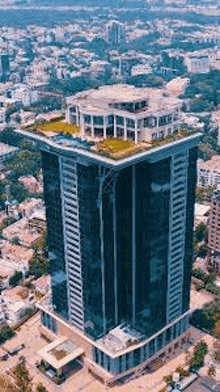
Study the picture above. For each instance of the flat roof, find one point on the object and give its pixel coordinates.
(6, 149)
(98, 100)
(60, 352)
(81, 153)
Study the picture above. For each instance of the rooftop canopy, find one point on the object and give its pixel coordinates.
(60, 352)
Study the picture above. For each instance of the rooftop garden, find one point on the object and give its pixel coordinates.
(56, 126)
(119, 148)
(116, 147)
(59, 126)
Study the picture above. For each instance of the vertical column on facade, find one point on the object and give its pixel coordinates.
(114, 365)
(125, 129)
(115, 252)
(70, 208)
(172, 333)
(99, 357)
(177, 218)
(131, 359)
(115, 127)
(147, 351)
(136, 131)
(133, 244)
(92, 126)
(123, 363)
(164, 338)
(82, 125)
(77, 117)
(142, 354)
(68, 117)
(155, 344)
(100, 203)
(104, 127)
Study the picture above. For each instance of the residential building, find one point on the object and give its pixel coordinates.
(42, 284)
(4, 66)
(201, 214)
(6, 152)
(138, 114)
(214, 234)
(119, 290)
(197, 64)
(15, 302)
(115, 32)
(15, 257)
(26, 234)
(209, 172)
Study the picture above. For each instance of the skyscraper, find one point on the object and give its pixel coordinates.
(120, 232)
(4, 66)
(213, 234)
(115, 32)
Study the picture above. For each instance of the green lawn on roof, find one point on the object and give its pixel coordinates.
(115, 145)
(59, 126)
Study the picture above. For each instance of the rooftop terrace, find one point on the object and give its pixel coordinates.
(68, 136)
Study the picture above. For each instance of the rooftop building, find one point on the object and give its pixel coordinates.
(137, 114)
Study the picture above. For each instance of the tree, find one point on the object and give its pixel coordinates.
(169, 380)
(39, 265)
(15, 241)
(200, 232)
(182, 372)
(15, 279)
(211, 371)
(197, 361)
(203, 250)
(41, 388)
(22, 377)
(6, 333)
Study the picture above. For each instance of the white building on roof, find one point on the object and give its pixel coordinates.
(138, 114)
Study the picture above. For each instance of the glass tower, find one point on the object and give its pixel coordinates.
(120, 236)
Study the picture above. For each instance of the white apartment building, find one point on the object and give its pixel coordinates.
(209, 172)
(198, 64)
(6, 152)
(138, 114)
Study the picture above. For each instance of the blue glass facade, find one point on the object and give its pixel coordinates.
(120, 242)
(52, 197)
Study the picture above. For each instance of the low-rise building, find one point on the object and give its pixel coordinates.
(15, 257)
(31, 184)
(201, 214)
(15, 302)
(29, 206)
(197, 64)
(20, 230)
(42, 284)
(6, 152)
(209, 172)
